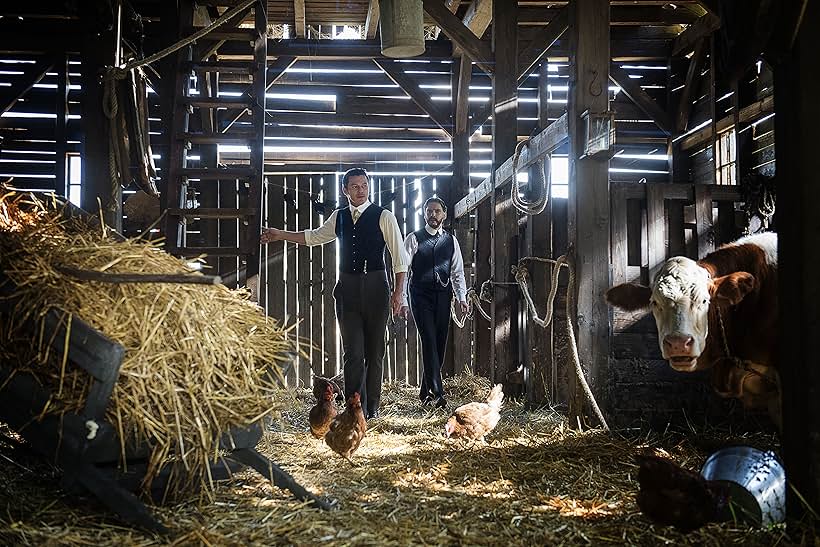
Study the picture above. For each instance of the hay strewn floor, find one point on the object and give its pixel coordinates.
(535, 483)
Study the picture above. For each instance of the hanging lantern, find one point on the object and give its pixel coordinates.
(599, 134)
(401, 25)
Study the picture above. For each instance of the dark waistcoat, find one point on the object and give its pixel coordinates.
(430, 269)
(361, 245)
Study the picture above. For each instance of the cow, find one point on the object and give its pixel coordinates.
(719, 314)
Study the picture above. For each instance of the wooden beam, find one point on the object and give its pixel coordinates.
(478, 16)
(700, 29)
(747, 114)
(685, 105)
(26, 81)
(533, 52)
(371, 24)
(798, 226)
(421, 98)
(544, 143)
(299, 18)
(588, 213)
(338, 49)
(462, 95)
(460, 35)
(641, 98)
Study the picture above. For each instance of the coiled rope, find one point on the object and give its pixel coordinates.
(537, 206)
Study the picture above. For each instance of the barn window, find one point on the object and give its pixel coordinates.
(73, 175)
(726, 158)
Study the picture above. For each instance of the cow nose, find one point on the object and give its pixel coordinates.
(678, 343)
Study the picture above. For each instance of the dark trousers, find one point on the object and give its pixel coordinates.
(362, 309)
(431, 311)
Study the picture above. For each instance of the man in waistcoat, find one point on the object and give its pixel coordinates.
(436, 274)
(362, 294)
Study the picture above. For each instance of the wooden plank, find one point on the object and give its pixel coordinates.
(685, 104)
(317, 315)
(275, 271)
(299, 18)
(414, 361)
(304, 278)
(460, 35)
(700, 29)
(655, 228)
(32, 74)
(641, 98)
(345, 49)
(273, 73)
(291, 273)
(534, 51)
(544, 143)
(401, 353)
(461, 95)
(747, 114)
(331, 366)
(371, 24)
(620, 233)
(703, 220)
(675, 228)
(420, 97)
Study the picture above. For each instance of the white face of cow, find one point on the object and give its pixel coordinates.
(680, 303)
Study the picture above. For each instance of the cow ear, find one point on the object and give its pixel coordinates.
(629, 296)
(733, 288)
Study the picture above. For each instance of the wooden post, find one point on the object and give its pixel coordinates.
(97, 53)
(798, 223)
(60, 132)
(589, 209)
(504, 310)
(539, 351)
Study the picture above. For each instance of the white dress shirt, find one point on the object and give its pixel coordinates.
(389, 227)
(459, 284)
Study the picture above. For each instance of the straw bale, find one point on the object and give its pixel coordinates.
(535, 482)
(199, 358)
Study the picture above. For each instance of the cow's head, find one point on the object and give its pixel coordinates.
(679, 299)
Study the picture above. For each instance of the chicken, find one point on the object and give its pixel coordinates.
(474, 420)
(670, 494)
(322, 414)
(337, 383)
(348, 429)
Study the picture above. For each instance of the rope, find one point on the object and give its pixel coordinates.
(537, 206)
(521, 276)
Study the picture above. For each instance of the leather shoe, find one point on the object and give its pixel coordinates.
(441, 402)
(373, 415)
(427, 401)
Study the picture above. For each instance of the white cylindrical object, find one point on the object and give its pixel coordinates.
(401, 25)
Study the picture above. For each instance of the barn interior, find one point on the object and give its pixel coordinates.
(577, 145)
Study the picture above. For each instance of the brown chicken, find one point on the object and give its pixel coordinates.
(348, 429)
(670, 494)
(474, 420)
(337, 383)
(322, 414)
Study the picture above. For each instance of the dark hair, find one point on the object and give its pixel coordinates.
(355, 172)
(435, 199)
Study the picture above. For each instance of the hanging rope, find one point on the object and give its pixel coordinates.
(521, 276)
(537, 206)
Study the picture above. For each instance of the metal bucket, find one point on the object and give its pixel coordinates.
(756, 482)
(401, 25)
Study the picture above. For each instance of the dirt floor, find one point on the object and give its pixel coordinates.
(535, 482)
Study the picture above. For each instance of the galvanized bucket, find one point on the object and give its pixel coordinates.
(756, 482)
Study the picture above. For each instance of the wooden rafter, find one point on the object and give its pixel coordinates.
(460, 35)
(747, 114)
(299, 18)
(30, 77)
(641, 98)
(371, 24)
(462, 99)
(421, 98)
(692, 73)
(478, 16)
(274, 72)
(701, 28)
(540, 44)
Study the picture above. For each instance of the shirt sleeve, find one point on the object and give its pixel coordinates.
(393, 239)
(411, 245)
(457, 273)
(324, 233)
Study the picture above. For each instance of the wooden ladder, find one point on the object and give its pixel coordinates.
(214, 206)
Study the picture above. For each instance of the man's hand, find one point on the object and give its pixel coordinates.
(404, 312)
(464, 307)
(396, 302)
(270, 234)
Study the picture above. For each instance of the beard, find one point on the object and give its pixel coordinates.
(433, 223)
